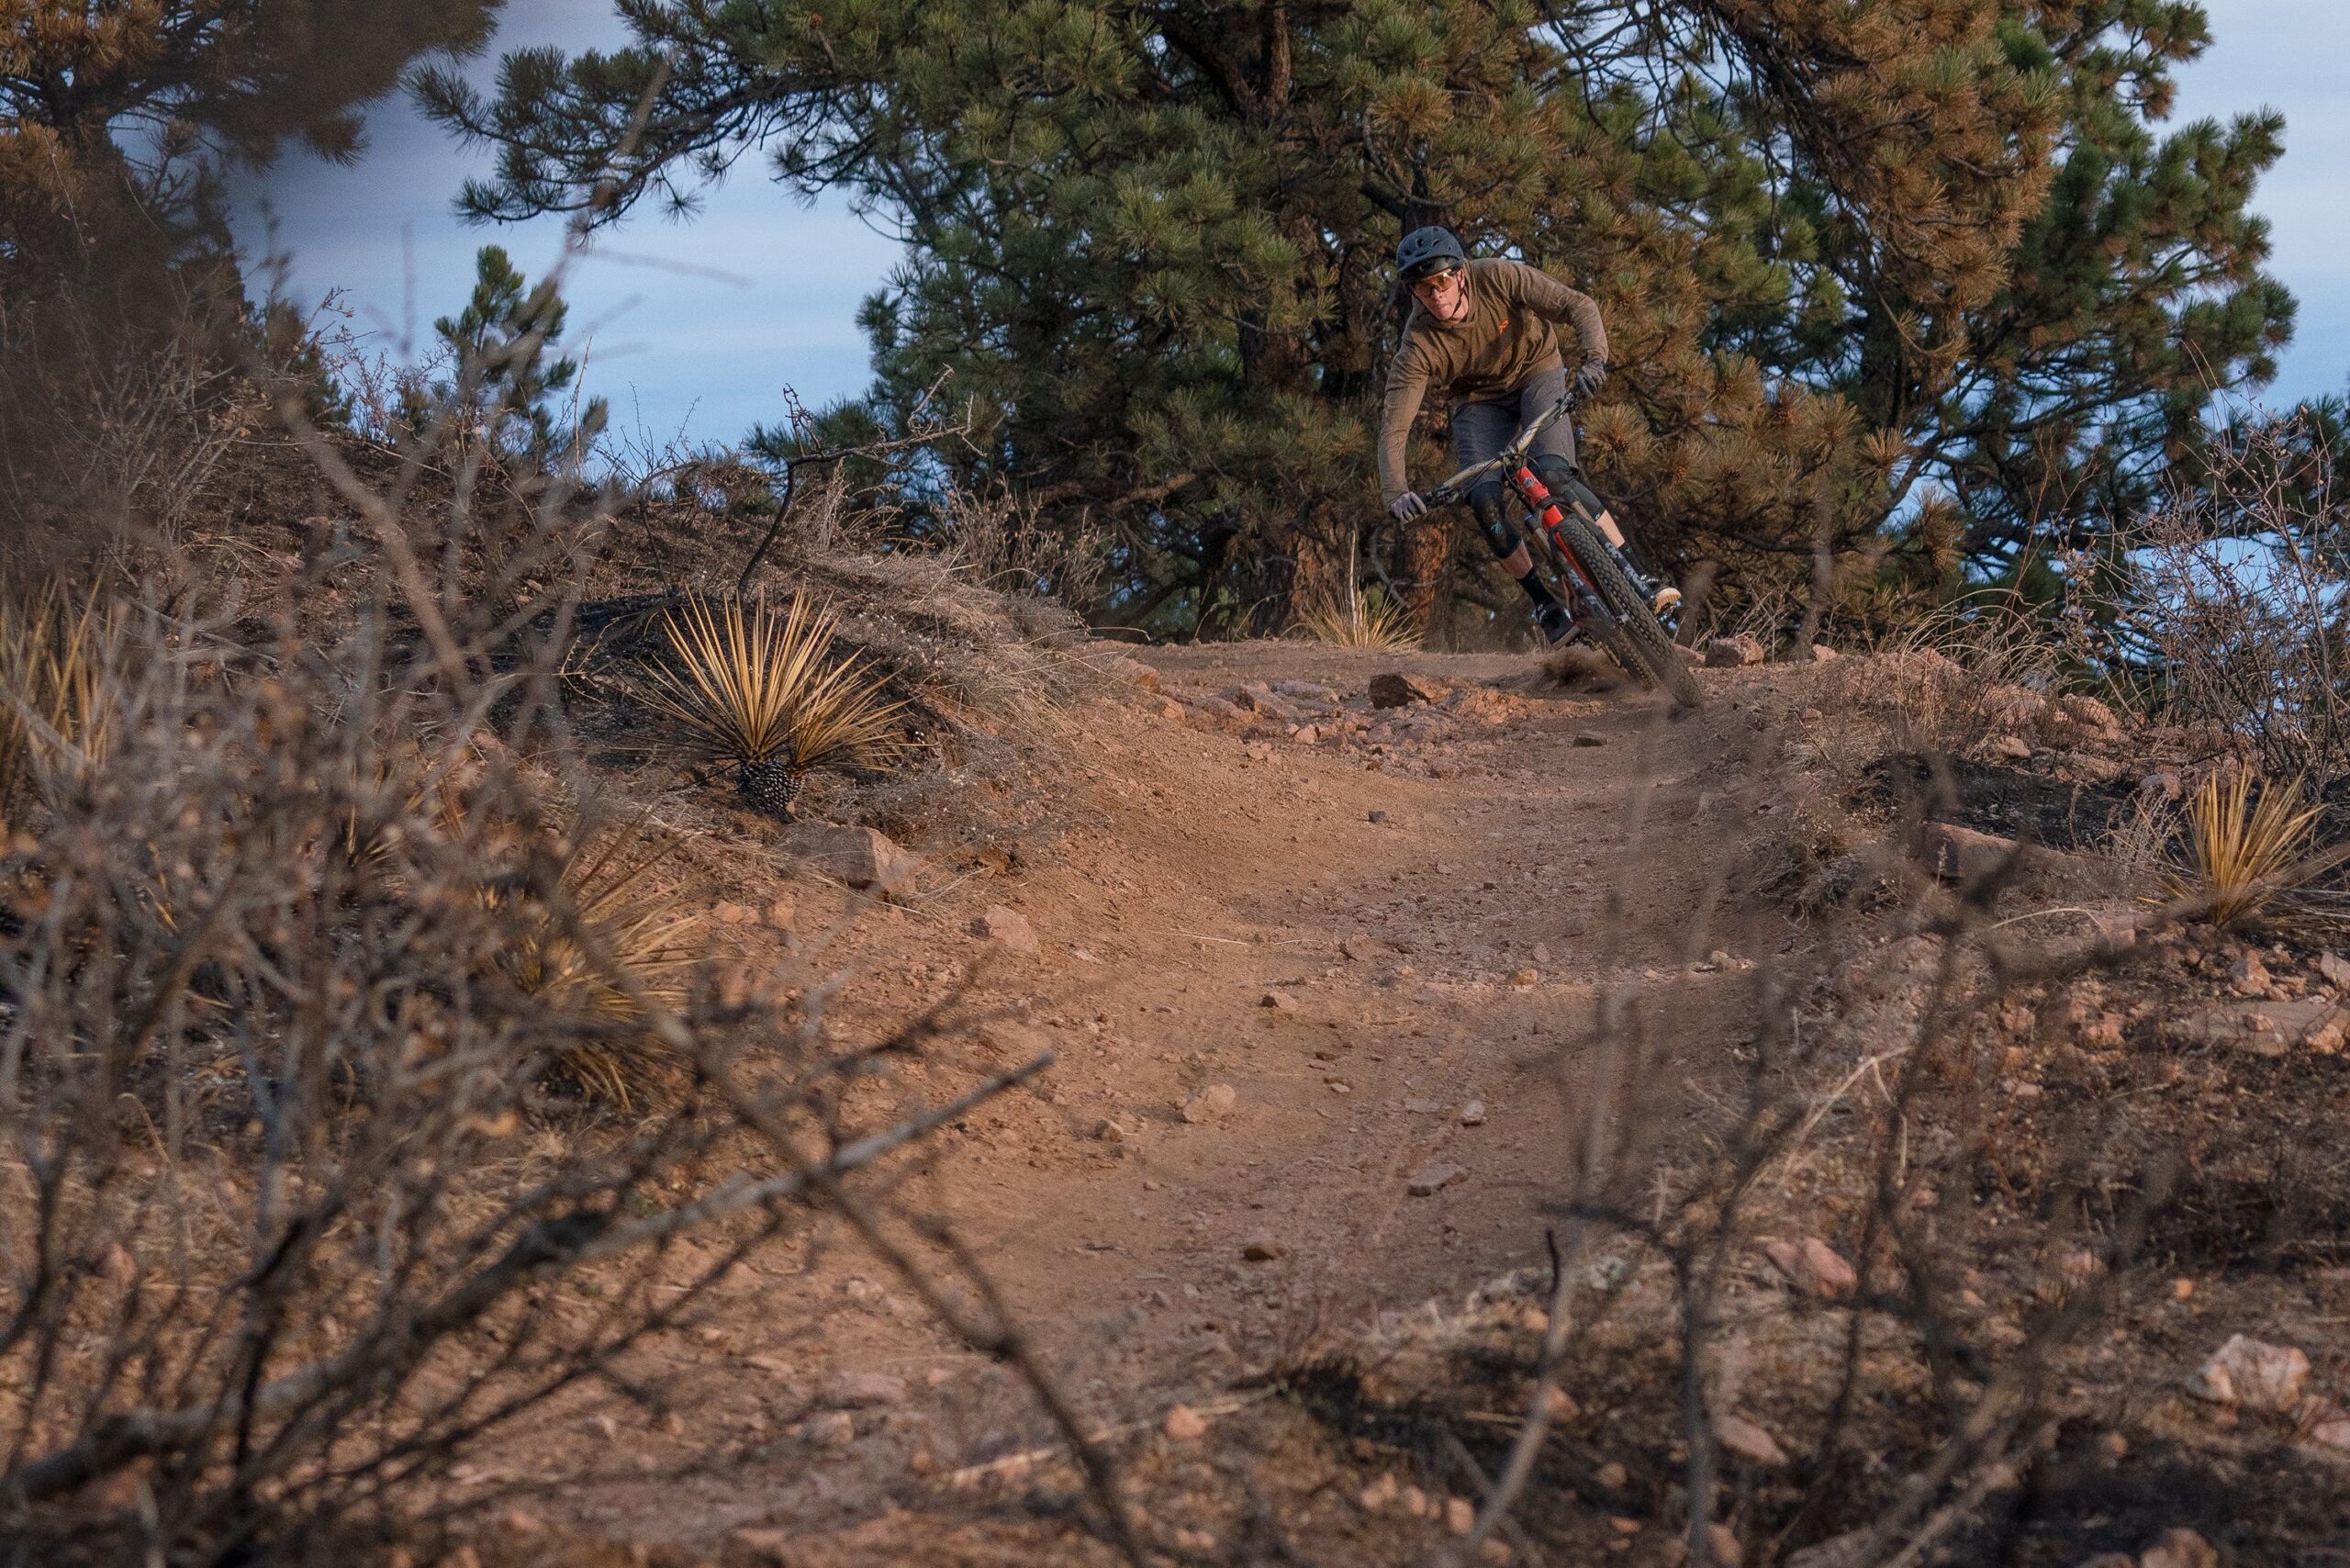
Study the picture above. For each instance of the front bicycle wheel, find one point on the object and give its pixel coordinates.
(1635, 618)
(1592, 615)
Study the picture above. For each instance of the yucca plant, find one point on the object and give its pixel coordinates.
(2244, 852)
(53, 711)
(759, 689)
(1356, 620)
(648, 946)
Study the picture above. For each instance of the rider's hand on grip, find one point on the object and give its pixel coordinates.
(1588, 378)
(1408, 505)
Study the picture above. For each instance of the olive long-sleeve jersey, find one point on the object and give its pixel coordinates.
(1509, 336)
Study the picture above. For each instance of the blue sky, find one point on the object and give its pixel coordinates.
(697, 327)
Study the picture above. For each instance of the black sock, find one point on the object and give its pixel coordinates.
(1537, 590)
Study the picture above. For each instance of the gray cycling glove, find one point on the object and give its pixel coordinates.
(1408, 505)
(1588, 378)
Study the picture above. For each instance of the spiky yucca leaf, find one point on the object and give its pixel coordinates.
(750, 685)
(2244, 852)
(1357, 621)
(53, 711)
(649, 946)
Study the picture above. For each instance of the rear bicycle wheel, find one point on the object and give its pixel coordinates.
(1635, 621)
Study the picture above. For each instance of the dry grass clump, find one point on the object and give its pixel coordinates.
(1357, 619)
(2245, 851)
(607, 947)
(1352, 619)
(53, 652)
(761, 689)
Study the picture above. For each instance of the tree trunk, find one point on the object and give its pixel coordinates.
(1423, 559)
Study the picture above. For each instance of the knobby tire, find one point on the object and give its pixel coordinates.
(1608, 633)
(1601, 626)
(1634, 619)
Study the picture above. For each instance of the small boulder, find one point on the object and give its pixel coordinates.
(1431, 1180)
(1473, 1114)
(1216, 714)
(1837, 1552)
(831, 1429)
(864, 1390)
(1261, 1250)
(1125, 667)
(2008, 748)
(1749, 1442)
(1733, 653)
(1214, 1103)
(2335, 970)
(2330, 1428)
(1006, 926)
(2179, 1548)
(2089, 718)
(2248, 976)
(1400, 688)
(1279, 1001)
(1590, 738)
(1380, 1494)
(1257, 698)
(2252, 1375)
(1958, 854)
(1812, 1267)
(1821, 654)
(858, 856)
(1185, 1425)
(1460, 1515)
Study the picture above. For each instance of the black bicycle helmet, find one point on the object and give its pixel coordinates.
(1427, 250)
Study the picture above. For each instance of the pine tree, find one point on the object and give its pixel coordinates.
(498, 348)
(115, 118)
(1912, 278)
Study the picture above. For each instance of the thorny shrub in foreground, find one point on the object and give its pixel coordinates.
(2239, 624)
(271, 1246)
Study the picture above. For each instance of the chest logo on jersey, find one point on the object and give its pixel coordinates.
(1503, 328)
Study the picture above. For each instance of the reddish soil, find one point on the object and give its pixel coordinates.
(1223, 911)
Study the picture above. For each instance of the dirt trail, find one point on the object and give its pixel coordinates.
(1233, 916)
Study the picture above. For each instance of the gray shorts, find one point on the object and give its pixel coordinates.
(1481, 430)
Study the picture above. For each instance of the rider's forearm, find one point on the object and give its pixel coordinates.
(1394, 432)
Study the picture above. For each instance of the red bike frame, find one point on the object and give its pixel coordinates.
(1546, 510)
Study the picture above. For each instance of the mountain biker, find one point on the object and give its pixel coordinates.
(1484, 335)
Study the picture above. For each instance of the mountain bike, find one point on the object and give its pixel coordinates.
(1605, 602)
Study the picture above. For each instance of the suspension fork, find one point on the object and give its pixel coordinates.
(1546, 510)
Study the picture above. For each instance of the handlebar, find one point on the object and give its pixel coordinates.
(1507, 458)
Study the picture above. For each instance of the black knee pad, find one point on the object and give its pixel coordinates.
(1564, 480)
(1489, 503)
